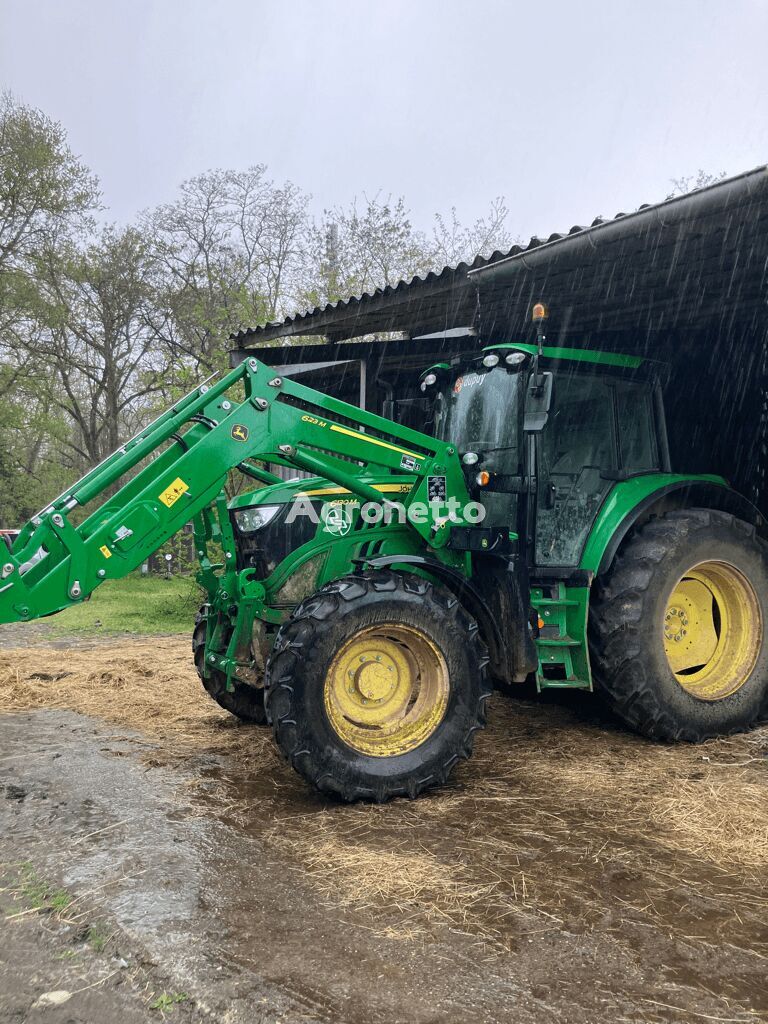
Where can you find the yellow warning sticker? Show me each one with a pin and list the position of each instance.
(105, 551)
(173, 492)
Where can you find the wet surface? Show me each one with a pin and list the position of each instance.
(238, 927)
(571, 872)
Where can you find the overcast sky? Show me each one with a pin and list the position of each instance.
(569, 109)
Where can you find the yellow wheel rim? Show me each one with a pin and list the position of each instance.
(713, 630)
(386, 690)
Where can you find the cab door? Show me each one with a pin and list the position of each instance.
(601, 429)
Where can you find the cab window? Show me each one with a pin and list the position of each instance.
(639, 450)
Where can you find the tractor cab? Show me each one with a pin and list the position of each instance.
(544, 433)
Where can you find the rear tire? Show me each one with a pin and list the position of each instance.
(244, 702)
(376, 686)
(677, 627)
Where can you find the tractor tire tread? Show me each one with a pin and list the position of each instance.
(618, 625)
(244, 702)
(302, 631)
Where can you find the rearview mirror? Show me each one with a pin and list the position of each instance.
(537, 402)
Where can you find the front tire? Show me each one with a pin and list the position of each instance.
(376, 686)
(677, 627)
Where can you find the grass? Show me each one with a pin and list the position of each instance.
(143, 605)
(36, 894)
(168, 1000)
(97, 938)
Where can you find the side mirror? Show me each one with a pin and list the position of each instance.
(538, 399)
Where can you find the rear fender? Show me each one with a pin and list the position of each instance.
(678, 495)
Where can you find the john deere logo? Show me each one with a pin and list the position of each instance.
(337, 519)
(239, 432)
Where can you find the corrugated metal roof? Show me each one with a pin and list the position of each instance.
(445, 299)
(312, 320)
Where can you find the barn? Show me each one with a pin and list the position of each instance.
(683, 281)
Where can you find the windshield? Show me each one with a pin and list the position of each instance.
(479, 412)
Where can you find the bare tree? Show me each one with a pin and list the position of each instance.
(227, 254)
(690, 182)
(453, 243)
(372, 243)
(365, 246)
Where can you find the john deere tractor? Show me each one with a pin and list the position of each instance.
(538, 531)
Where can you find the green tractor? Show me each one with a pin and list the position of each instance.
(366, 610)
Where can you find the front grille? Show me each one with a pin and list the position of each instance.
(263, 550)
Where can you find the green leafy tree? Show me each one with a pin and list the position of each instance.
(47, 197)
(31, 442)
(46, 194)
(93, 312)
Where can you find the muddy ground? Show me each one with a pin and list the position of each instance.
(160, 861)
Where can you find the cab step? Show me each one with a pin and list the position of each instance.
(566, 684)
(563, 659)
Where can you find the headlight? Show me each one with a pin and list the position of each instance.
(251, 519)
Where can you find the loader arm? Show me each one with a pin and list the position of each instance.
(181, 462)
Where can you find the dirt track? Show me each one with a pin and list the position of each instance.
(572, 872)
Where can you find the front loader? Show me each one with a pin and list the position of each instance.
(537, 532)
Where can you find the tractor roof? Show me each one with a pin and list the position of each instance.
(576, 355)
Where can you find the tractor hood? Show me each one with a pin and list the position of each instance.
(393, 488)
